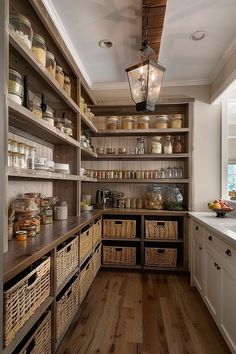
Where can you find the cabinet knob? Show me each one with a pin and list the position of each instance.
(200, 248)
(228, 252)
(210, 238)
(218, 267)
(196, 228)
(216, 264)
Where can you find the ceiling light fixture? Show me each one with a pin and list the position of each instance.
(105, 43)
(145, 76)
(198, 35)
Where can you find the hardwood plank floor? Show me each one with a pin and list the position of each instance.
(130, 313)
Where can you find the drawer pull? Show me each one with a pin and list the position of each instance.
(210, 238)
(200, 248)
(196, 228)
(228, 252)
(215, 264)
(218, 267)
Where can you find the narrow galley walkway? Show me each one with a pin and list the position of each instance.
(127, 313)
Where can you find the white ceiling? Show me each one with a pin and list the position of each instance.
(84, 23)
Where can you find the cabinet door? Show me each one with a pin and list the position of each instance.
(197, 264)
(212, 282)
(227, 305)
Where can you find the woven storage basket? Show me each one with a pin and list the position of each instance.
(119, 228)
(86, 279)
(97, 259)
(41, 342)
(86, 243)
(162, 257)
(66, 307)
(21, 300)
(161, 230)
(97, 232)
(119, 255)
(67, 260)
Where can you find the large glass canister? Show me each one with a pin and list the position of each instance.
(15, 86)
(22, 26)
(67, 85)
(51, 63)
(174, 198)
(154, 198)
(39, 48)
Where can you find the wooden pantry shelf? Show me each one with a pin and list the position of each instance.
(29, 56)
(135, 157)
(145, 212)
(22, 118)
(180, 240)
(87, 123)
(87, 153)
(38, 174)
(159, 180)
(136, 239)
(138, 132)
(87, 179)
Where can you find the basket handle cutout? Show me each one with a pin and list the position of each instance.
(69, 293)
(118, 222)
(119, 249)
(30, 347)
(161, 251)
(160, 224)
(68, 249)
(87, 232)
(32, 279)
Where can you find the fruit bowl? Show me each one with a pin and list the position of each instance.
(221, 213)
(220, 207)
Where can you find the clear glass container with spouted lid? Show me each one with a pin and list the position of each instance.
(59, 76)
(112, 123)
(161, 122)
(51, 63)
(39, 48)
(67, 85)
(176, 121)
(15, 86)
(22, 27)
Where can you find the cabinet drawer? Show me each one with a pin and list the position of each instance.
(197, 228)
(225, 251)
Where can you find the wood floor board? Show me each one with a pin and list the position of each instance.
(133, 313)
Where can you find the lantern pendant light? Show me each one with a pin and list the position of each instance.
(145, 77)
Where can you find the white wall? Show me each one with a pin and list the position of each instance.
(206, 140)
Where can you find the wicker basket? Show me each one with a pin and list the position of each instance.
(119, 255)
(86, 279)
(67, 260)
(119, 228)
(23, 298)
(161, 230)
(97, 232)
(86, 243)
(161, 257)
(41, 342)
(66, 307)
(97, 260)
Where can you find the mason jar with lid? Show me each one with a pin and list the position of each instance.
(161, 122)
(156, 145)
(51, 63)
(39, 48)
(112, 123)
(35, 108)
(15, 86)
(22, 26)
(67, 85)
(176, 121)
(68, 127)
(59, 75)
(127, 123)
(143, 122)
(168, 146)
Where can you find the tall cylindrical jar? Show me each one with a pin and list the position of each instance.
(51, 63)
(39, 48)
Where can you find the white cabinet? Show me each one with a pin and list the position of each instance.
(197, 264)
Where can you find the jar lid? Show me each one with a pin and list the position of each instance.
(81, 99)
(14, 72)
(59, 68)
(39, 38)
(162, 118)
(144, 119)
(21, 233)
(67, 79)
(112, 119)
(50, 55)
(129, 119)
(15, 16)
(177, 116)
(156, 138)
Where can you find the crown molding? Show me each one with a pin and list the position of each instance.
(58, 23)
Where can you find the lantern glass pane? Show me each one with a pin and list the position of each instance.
(154, 83)
(138, 83)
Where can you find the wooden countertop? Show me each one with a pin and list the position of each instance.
(22, 254)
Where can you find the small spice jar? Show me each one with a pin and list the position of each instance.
(48, 116)
(168, 146)
(39, 48)
(139, 203)
(176, 121)
(161, 122)
(22, 26)
(9, 146)
(110, 151)
(21, 148)
(31, 158)
(14, 144)
(15, 160)
(112, 123)
(127, 203)
(21, 235)
(178, 146)
(22, 161)
(15, 86)
(127, 123)
(122, 151)
(59, 76)
(67, 85)
(100, 151)
(156, 145)
(30, 230)
(9, 160)
(143, 122)
(51, 63)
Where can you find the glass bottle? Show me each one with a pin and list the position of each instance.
(168, 146)
(178, 146)
(31, 158)
(156, 145)
(140, 150)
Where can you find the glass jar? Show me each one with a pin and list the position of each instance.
(168, 146)
(9, 159)
(14, 144)
(31, 158)
(143, 122)
(21, 235)
(21, 148)
(22, 26)
(133, 203)
(122, 151)
(48, 116)
(156, 145)
(140, 150)
(59, 76)
(22, 162)
(154, 198)
(35, 107)
(26, 153)
(180, 172)
(51, 63)
(161, 122)
(39, 48)
(168, 172)
(127, 123)
(176, 121)
(15, 160)
(175, 172)
(67, 85)
(178, 146)
(81, 104)
(139, 203)
(112, 123)
(174, 198)
(127, 203)
(59, 124)
(15, 86)
(162, 173)
(9, 145)
(68, 127)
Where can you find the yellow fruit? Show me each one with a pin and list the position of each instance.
(216, 206)
(210, 205)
